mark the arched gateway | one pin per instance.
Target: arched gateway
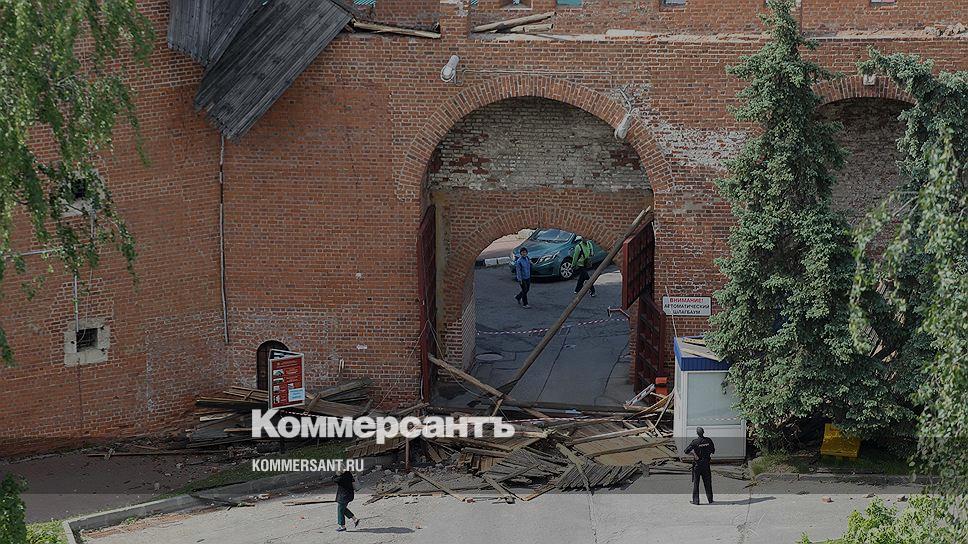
(532, 154)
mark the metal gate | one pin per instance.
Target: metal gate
(427, 291)
(638, 283)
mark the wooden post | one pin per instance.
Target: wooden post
(406, 455)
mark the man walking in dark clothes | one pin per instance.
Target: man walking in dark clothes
(522, 272)
(344, 496)
(702, 448)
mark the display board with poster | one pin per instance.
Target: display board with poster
(286, 379)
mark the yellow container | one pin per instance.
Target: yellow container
(836, 444)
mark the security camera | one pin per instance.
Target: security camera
(449, 72)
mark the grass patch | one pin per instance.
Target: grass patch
(50, 532)
(242, 472)
(872, 460)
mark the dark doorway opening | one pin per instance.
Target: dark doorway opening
(262, 362)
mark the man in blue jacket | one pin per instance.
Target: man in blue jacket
(522, 271)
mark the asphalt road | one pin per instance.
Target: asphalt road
(654, 509)
(587, 362)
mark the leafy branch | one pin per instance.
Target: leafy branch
(63, 88)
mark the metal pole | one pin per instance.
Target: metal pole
(221, 237)
(574, 303)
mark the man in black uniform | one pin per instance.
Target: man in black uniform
(703, 448)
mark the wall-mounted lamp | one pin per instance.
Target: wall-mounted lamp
(448, 73)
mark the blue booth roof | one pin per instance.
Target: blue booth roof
(688, 362)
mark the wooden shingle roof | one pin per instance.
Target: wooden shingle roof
(203, 29)
(253, 50)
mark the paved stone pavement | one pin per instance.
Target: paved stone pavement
(652, 510)
(586, 363)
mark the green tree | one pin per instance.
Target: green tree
(924, 521)
(924, 268)
(785, 319)
(63, 66)
(13, 529)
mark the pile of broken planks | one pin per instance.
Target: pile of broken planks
(226, 418)
(571, 449)
(225, 421)
(544, 454)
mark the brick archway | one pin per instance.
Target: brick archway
(480, 223)
(853, 87)
(411, 175)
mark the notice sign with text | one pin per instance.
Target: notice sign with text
(286, 379)
(697, 306)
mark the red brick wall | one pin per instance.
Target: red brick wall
(419, 13)
(819, 16)
(324, 195)
(165, 330)
(598, 16)
(825, 16)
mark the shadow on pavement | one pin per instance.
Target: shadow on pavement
(385, 530)
(752, 500)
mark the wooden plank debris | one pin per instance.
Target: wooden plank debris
(505, 494)
(614, 434)
(538, 492)
(578, 463)
(440, 486)
(511, 23)
(498, 395)
(388, 29)
(531, 29)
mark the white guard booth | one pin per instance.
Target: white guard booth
(701, 402)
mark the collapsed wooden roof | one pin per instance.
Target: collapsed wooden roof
(203, 29)
(252, 51)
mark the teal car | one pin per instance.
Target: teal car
(550, 253)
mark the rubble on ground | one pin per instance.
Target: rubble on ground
(553, 447)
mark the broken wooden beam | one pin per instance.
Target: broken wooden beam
(387, 29)
(440, 486)
(511, 23)
(553, 330)
(529, 29)
(505, 494)
(606, 436)
(632, 447)
(540, 491)
(480, 385)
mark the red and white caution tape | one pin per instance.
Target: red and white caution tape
(566, 326)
